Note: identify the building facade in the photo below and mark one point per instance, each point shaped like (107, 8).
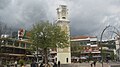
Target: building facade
(84, 48)
(89, 48)
(12, 50)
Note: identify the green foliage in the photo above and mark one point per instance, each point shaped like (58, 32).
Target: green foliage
(21, 61)
(112, 56)
(76, 50)
(47, 35)
(90, 56)
(28, 61)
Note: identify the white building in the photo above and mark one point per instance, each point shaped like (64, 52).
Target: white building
(64, 54)
(88, 48)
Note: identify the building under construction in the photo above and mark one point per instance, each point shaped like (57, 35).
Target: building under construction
(14, 49)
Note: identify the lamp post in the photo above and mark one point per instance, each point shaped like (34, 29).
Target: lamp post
(0, 53)
(101, 42)
(101, 39)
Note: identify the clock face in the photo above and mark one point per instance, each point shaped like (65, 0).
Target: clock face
(59, 10)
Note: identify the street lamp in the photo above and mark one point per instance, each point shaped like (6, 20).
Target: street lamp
(0, 53)
(101, 39)
(101, 42)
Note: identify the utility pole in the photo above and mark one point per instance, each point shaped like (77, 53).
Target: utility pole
(0, 54)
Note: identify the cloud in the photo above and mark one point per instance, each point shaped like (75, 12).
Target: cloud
(4, 3)
(87, 17)
(22, 13)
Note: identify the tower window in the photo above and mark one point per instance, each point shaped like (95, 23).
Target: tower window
(63, 17)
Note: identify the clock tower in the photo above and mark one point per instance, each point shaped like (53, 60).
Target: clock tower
(63, 54)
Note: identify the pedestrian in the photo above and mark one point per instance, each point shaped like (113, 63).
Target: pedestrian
(33, 64)
(15, 63)
(107, 61)
(22, 65)
(58, 63)
(55, 65)
(91, 64)
(41, 65)
(94, 63)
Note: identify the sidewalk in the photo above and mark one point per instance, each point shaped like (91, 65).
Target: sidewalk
(74, 65)
(84, 65)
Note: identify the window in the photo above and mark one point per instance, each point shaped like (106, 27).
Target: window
(63, 17)
(10, 42)
(3, 42)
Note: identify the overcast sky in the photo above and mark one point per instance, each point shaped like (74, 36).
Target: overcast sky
(87, 17)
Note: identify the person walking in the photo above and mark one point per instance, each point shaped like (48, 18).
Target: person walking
(22, 65)
(55, 65)
(58, 63)
(33, 64)
(91, 64)
(15, 63)
(41, 65)
(94, 63)
(107, 61)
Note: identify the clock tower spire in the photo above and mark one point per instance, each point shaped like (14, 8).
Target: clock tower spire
(62, 12)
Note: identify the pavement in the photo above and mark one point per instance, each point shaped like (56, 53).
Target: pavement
(89, 65)
(85, 65)
(113, 64)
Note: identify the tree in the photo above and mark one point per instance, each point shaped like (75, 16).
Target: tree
(46, 35)
(76, 50)
(113, 56)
